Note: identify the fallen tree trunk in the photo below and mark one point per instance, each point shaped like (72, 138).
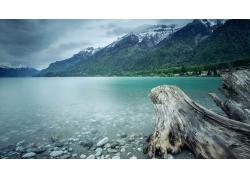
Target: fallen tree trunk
(182, 122)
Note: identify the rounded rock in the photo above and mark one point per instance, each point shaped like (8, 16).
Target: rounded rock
(83, 156)
(56, 153)
(29, 155)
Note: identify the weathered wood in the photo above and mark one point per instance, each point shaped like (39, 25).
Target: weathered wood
(182, 122)
(236, 86)
(233, 109)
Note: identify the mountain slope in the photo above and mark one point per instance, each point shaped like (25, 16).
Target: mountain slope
(114, 58)
(67, 63)
(11, 71)
(175, 50)
(228, 42)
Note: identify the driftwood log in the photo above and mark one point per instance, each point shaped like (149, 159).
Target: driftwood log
(180, 122)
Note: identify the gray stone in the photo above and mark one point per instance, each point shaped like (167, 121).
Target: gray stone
(112, 150)
(56, 153)
(107, 145)
(20, 143)
(98, 151)
(70, 149)
(116, 157)
(124, 135)
(133, 157)
(21, 149)
(58, 144)
(29, 155)
(123, 149)
(91, 157)
(170, 156)
(74, 155)
(83, 156)
(102, 142)
(139, 149)
(54, 138)
(65, 156)
(107, 156)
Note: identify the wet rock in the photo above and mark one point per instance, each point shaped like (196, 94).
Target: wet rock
(98, 151)
(55, 148)
(133, 136)
(54, 138)
(39, 150)
(74, 155)
(170, 156)
(31, 145)
(102, 142)
(65, 152)
(123, 149)
(139, 149)
(70, 149)
(29, 155)
(20, 143)
(59, 144)
(133, 157)
(73, 139)
(21, 149)
(113, 145)
(56, 153)
(88, 144)
(65, 156)
(123, 135)
(83, 156)
(107, 145)
(107, 156)
(112, 150)
(91, 157)
(116, 157)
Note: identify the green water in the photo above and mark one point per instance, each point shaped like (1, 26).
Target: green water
(36, 108)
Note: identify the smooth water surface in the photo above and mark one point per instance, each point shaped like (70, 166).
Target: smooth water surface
(88, 108)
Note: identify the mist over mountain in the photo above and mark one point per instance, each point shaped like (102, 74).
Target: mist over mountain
(7, 70)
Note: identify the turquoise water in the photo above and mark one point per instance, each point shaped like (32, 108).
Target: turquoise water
(34, 109)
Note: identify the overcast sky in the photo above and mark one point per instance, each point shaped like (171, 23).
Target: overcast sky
(37, 43)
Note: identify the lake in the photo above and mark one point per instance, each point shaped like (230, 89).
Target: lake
(72, 114)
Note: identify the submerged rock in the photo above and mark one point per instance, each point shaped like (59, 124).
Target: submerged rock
(102, 142)
(21, 149)
(91, 157)
(133, 157)
(74, 155)
(65, 156)
(58, 144)
(83, 156)
(112, 150)
(54, 138)
(116, 157)
(98, 151)
(29, 155)
(20, 143)
(56, 153)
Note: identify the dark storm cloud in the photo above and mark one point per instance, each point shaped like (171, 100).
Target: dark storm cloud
(22, 37)
(37, 43)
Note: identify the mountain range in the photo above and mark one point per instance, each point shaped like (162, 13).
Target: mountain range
(7, 70)
(203, 44)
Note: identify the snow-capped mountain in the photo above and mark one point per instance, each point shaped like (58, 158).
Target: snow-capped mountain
(213, 22)
(86, 53)
(7, 70)
(148, 38)
(67, 63)
(8, 66)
